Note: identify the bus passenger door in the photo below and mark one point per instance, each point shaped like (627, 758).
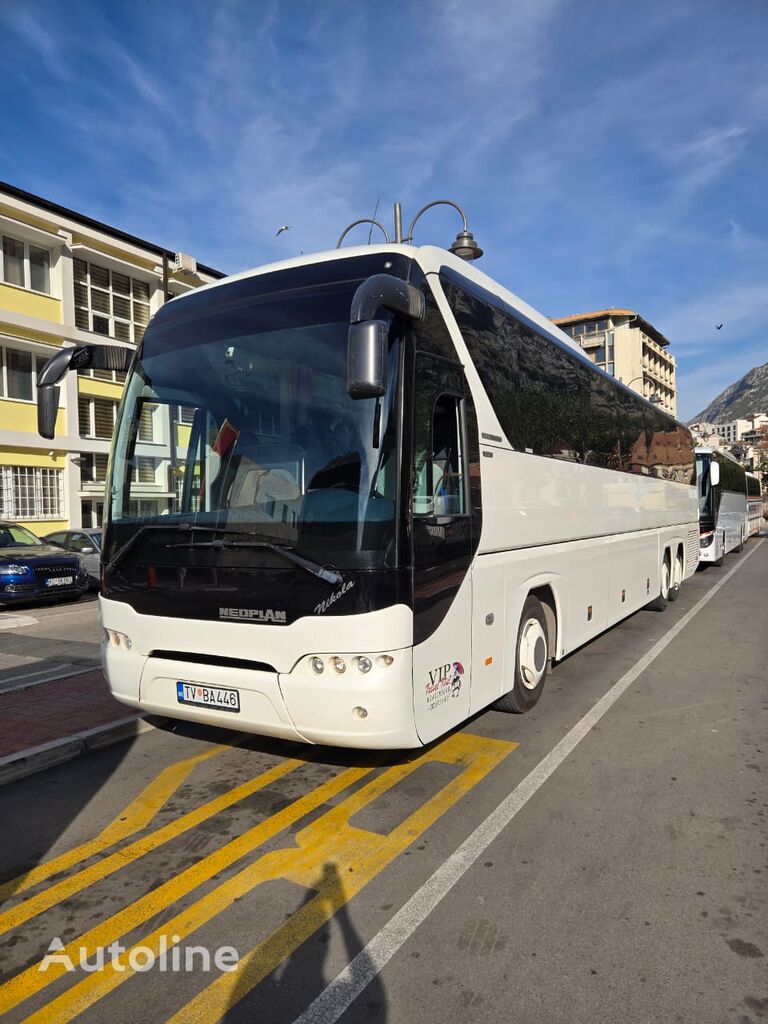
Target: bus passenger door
(442, 548)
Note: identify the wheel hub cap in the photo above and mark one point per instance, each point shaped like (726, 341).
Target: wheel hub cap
(532, 655)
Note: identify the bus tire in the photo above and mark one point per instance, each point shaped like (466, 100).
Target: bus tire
(531, 660)
(659, 603)
(740, 547)
(677, 578)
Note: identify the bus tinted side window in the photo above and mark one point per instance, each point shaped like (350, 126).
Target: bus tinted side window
(552, 403)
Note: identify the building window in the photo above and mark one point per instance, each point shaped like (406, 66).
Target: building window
(92, 513)
(114, 376)
(18, 375)
(25, 265)
(93, 468)
(109, 303)
(28, 492)
(96, 417)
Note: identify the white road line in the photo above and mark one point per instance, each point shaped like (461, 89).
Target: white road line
(339, 995)
(17, 621)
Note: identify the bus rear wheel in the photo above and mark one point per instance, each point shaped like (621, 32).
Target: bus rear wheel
(531, 660)
(659, 603)
(677, 578)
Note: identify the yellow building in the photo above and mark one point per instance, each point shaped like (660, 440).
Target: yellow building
(67, 279)
(628, 347)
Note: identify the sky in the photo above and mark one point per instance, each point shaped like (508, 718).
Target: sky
(607, 153)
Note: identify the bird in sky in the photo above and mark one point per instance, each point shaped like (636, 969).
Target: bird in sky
(718, 326)
(282, 228)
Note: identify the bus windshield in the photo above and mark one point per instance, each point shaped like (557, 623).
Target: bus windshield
(236, 428)
(706, 496)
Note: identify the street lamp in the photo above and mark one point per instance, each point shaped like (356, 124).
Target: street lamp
(463, 246)
(655, 398)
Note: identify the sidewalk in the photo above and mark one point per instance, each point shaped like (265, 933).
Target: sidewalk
(50, 722)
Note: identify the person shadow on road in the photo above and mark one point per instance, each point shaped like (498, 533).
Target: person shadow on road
(286, 993)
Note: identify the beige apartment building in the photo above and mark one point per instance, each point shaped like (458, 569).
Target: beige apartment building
(67, 279)
(627, 346)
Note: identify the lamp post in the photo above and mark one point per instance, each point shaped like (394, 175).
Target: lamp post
(655, 398)
(463, 246)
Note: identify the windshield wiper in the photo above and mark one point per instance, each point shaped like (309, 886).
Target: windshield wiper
(220, 544)
(177, 527)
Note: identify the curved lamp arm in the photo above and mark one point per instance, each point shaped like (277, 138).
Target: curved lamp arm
(363, 220)
(435, 202)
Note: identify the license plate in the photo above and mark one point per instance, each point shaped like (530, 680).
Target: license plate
(208, 696)
(60, 581)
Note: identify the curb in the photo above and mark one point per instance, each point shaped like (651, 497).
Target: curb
(36, 759)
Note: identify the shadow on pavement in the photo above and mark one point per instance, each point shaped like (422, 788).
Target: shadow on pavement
(40, 651)
(288, 990)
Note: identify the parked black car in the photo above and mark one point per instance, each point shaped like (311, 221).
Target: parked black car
(31, 570)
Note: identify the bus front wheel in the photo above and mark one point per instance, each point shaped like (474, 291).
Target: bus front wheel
(531, 660)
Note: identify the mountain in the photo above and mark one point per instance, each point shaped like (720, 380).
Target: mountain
(750, 394)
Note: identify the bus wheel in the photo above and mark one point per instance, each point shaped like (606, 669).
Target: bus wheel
(740, 548)
(677, 578)
(531, 660)
(659, 603)
(719, 562)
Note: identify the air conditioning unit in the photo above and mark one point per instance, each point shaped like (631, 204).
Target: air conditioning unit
(182, 263)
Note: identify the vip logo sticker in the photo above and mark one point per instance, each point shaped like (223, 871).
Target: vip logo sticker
(444, 684)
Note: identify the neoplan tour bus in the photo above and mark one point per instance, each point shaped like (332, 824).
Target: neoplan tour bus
(722, 485)
(396, 494)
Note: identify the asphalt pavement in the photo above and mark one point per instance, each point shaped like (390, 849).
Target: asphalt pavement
(602, 858)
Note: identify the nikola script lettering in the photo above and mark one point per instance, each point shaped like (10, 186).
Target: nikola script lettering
(326, 604)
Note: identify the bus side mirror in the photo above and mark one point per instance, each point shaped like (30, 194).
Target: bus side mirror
(367, 340)
(81, 357)
(47, 407)
(714, 473)
(367, 359)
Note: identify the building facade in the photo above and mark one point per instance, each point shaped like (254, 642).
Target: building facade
(741, 429)
(629, 348)
(66, 279)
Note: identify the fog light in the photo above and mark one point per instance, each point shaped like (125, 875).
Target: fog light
(364, 664)
(339, 665)
(318, 665)
(384, 660)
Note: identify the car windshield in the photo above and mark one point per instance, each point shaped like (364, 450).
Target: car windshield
(17, 537)
(238, 419)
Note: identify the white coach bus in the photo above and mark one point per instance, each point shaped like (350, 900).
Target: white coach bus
(723, 521)
(394, 494)
(754, 505)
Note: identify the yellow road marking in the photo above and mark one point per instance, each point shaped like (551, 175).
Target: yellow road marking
(330, 840)
(132, 819)
(30, 981)
(59, 891)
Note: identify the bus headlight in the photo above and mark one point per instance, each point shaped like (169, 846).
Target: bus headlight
(706, 540)
(338, 664)
(115, 639)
